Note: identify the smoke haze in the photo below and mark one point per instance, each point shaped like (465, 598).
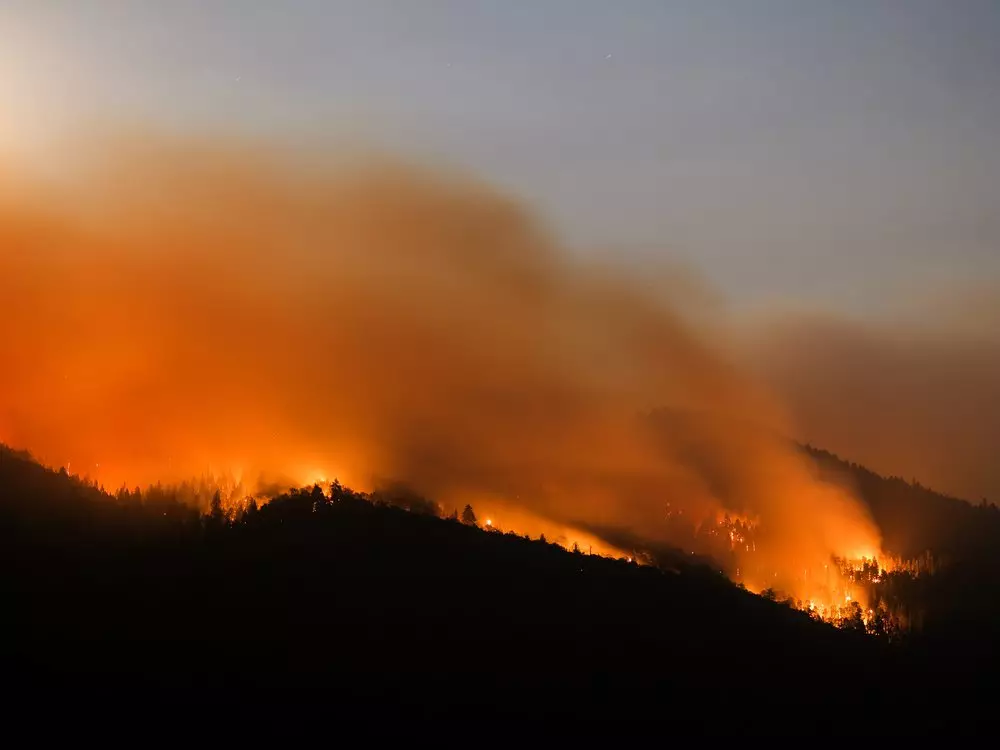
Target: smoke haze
(177, 307)
(918, 397)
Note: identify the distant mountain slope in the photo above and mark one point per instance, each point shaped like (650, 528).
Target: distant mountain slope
(914, 519)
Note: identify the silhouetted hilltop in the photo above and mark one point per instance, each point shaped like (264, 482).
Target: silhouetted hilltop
(346, 603)
(913, 518)
(960, 611)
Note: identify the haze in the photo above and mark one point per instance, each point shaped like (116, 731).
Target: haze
(828, 170)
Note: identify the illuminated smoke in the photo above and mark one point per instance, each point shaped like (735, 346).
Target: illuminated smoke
(174, 308)
(917, 397)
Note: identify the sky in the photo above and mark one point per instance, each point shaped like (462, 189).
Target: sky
(815, 153)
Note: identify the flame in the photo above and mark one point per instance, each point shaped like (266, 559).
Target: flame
(216, 314)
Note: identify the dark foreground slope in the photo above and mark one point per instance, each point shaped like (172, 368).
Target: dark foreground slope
(363, 610)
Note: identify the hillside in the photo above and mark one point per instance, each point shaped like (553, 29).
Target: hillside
(960, 611)
(913, 518)
(361, 607)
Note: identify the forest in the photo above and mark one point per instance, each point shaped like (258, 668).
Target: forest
(367, 604)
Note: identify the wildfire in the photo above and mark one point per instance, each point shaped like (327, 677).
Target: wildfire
(847, 591)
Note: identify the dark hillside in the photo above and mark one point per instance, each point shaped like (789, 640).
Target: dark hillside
(366, 608)
(913, 518)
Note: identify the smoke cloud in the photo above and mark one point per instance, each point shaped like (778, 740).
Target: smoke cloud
(917, 397)
(174, 307)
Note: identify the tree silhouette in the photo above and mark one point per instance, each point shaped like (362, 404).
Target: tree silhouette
(299, 561)
(216, 514)
(250, 510)
(319, 499)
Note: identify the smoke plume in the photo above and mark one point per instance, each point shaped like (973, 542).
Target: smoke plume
(917, 397)
(176, 307)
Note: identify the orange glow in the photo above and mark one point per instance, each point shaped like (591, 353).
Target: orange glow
(201, 311)
(512, 518)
